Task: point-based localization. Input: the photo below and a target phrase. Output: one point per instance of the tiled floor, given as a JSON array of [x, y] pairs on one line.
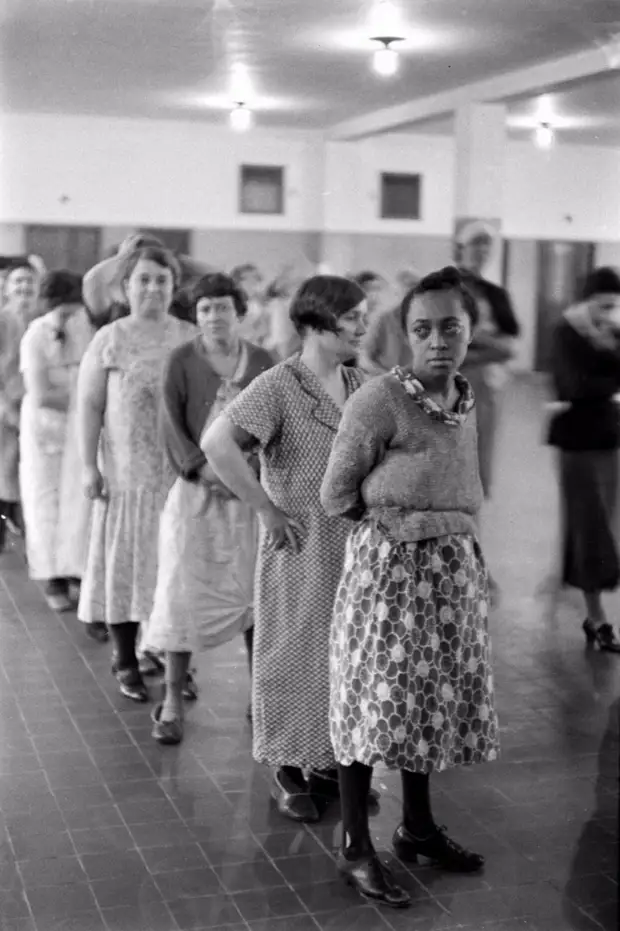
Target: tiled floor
[[101, 829]]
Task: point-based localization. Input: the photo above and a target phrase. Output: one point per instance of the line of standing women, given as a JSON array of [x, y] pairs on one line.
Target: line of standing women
[[409, 682]]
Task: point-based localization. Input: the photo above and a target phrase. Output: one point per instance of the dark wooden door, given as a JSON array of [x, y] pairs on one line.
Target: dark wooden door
[[562, 269], [176, 240], [77, 248]]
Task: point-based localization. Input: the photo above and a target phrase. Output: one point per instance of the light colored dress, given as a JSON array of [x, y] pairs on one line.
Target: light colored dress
[[207, 544], [294, 421], [121, 573], [11, 390], [56, 519]]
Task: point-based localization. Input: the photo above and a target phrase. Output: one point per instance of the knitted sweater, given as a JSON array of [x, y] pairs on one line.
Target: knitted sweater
[[416, 475]]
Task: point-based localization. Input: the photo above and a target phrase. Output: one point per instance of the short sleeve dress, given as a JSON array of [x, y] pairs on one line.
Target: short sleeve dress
[[295, 422], [121, 571]]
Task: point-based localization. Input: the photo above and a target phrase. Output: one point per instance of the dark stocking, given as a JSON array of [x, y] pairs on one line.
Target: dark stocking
[[417, 814], [355, 783], [124, 638], [248, 636]]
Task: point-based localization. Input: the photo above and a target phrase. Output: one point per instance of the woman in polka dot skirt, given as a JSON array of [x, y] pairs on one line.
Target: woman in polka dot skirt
[[411, 681]]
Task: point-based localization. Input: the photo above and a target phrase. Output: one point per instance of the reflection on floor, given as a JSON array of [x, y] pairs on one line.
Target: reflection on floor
[[101, 829]]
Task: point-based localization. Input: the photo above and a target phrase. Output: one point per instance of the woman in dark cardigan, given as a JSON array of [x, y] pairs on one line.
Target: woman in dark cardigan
[[586, 373], [208, 539]]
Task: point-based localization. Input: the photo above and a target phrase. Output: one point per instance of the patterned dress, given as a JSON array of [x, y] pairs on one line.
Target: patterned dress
[[294, 421], [411, 677], [121, 571]]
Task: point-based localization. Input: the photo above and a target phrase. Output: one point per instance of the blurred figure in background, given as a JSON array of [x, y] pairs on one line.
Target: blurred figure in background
[[384, 346], [586, 375], [19, 307], [375, 287], [56, 522], [283, 339], [103, 286], [492, 346], [248, 279]]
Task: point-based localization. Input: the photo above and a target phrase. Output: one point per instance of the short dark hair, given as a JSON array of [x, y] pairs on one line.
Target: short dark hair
[[604, 280], [321, 300], [157, 254], [446, 279], [218, 285], [61, 287]]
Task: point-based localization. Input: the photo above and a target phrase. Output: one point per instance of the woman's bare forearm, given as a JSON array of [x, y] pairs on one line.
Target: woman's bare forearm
[[90, 426]]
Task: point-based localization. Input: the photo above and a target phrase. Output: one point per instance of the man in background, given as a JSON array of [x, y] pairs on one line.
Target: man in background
[[493, 346]]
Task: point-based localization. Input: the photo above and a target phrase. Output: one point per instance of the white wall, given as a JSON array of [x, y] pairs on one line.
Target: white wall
[[148, 173], [571, 192], [158, 173]]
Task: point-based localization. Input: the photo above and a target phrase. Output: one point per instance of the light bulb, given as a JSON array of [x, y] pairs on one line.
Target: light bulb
[[385, 61], [241, 118], [544, 136]]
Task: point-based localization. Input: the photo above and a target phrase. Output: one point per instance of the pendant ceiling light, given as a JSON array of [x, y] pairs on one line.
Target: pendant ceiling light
[[241, 115], [241, 118], [385, 30], [544, 136]]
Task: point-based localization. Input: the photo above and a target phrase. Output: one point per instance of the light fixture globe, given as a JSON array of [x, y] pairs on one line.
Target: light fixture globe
[[385, 60], [544, 136], [241, 118]]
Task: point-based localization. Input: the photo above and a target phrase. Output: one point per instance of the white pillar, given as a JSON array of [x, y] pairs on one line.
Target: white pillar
[[480, 132]]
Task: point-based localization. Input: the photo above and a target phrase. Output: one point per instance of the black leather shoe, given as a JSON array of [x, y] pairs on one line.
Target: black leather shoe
[[132, 685], [438, 847], [373, 880], [324, 785], [293, 801], [603, 636]]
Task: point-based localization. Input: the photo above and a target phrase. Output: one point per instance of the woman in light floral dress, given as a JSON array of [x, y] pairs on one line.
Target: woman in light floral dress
[[411, 680], [125, 468]]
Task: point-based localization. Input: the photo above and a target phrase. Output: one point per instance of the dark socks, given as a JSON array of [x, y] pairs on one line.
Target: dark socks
[[355, 783], [248, 636], [56, 587], [417, 814], [124, 638]]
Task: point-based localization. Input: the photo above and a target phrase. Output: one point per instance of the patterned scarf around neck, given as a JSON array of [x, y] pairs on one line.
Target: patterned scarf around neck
[[416, 390]]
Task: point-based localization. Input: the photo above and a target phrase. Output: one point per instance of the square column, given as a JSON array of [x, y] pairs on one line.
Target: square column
[[480, 132]]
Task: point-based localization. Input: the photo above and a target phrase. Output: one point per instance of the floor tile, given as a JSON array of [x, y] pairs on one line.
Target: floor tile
[[85, 793]]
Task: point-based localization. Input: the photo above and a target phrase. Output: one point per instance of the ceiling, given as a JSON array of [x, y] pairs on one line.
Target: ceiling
[[308, 59]]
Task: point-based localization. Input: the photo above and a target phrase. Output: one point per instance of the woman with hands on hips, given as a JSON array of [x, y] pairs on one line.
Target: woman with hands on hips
[[290, 414]]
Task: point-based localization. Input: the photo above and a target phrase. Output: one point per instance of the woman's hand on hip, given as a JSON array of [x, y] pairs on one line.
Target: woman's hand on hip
[[93, 483], [281, 529]]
